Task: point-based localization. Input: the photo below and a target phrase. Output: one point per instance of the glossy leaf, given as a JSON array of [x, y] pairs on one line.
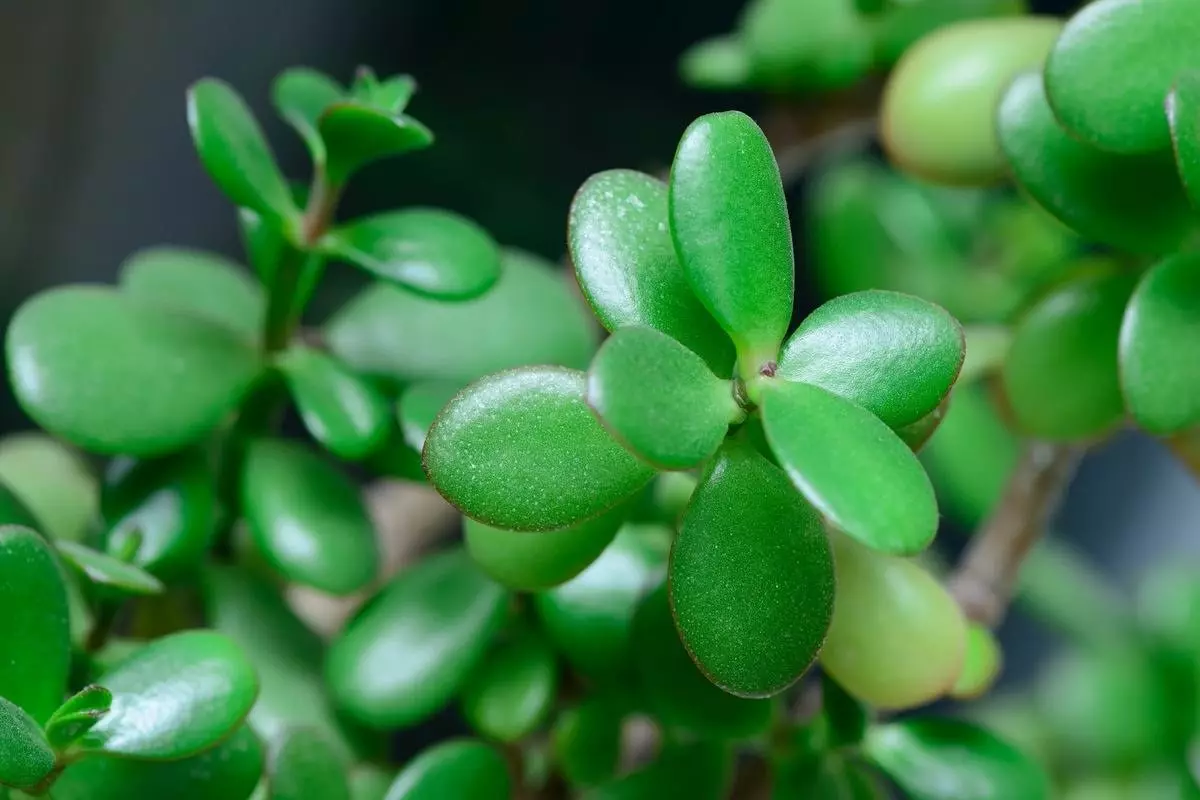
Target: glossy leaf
[[1061, 377], [720, 63], [521, 450], [699, 770], [432, 252], [981, 664], [894, 354], [52, 481], [730, 225], [1183, 114], [356, 134], [300, 96], [174, 697], [307, 518], [342, 411], [946, 759], [116, 376], [25, 755], [460, 768], [586, 741], [851, 467], [302, 764], [1132, 202], [444, 609], [513, 691], [104, 570], [627, 268], [419, 406], [751, 560], [77, 716]]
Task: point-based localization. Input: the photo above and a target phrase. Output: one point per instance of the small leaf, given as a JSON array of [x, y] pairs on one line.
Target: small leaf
[[25, 755], [981, 664], [429, 251], [174, 697], [460, 768], [849, 465], [521, 450], [627, 268], [391, 94], [1183, 113], [513, 691], [751, 560], [302, 765], [443, 608], [946, 759], [419, 406], [307, 518], [300, 96], [116, 376], [104, 570], [356, 134], [77, 716], [894, 354], [342, 411], [587, 741], [697, 771], [234, 151], [720, 63], [730, 225]]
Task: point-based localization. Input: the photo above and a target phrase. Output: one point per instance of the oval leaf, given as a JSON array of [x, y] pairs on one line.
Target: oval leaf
[[116, 376], [981, 664], [901, 25], [77, 716], [857, 473], [111, 573], [343, 412], [718, 64], [463, 769], [25, 755], [586, 741], [513, 691], [419, 407], [806, 45], [53, 481], [356, 134], [303, 765], [1183, 113], [300, 96], [521, 450]]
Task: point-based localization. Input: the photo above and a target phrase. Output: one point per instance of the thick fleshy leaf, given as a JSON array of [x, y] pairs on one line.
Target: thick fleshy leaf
[[626, 264], [203, 284], [522, 450], [901, 25], [897, 638], [234, 151], [307, 517], [981, 664], [111, 573], [342, 411], [938, 110], [13, 511], [751, 562], [174, 697], [677, 692], [659, 399], [446, 610], [462, 768], [947, 759], [419, 406], [825, 778], [52, 481], [730, 225], [116, 376], [720, 63], [513, 691], [529, 317], [357, 134], [894, 354], [1183, 113], [1133, 202], [845, 718], [857, 473], [303, 764], [77, 716], [806, 45], [432, 252], [697, 771], [1161, 385], [586, 741], [35, 627], [368, 782], [300, 96], [25, 755], [1061, 377]]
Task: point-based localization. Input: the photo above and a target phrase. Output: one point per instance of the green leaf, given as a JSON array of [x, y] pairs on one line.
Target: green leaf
[[443, 608], [235, 153], [391, 94], [419, 406], [938, 114], [25, 755], [228, 771], [356, 134], [1183, 114], [1132, 202], [697, 771], [806, 45], [590, 617], [300, 96], [751, 562], [981, 664], [845, 717], [307, 518], [303, 764], [342, 411], [13, 511], [521, 450], [676, 691], [459, 768], [730, 225], [825, 778], [203, 284], [901, 25], [1061, 377], [35, 624], [947, 759], [429, 251], [586, 741], [77, 716], [627, 268], [116, 376], [513, 691], [659, 399], [897, 637], [50, 480], [529, 317], [174, 697], [848, 464], [104, 570], [1160, 384], [720, 64], [894, 354], [368, 782]]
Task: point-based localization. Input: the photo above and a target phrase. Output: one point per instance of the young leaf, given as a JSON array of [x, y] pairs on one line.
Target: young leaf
[[342, 411], [300, 96], [586, 741], [355, 135], [894, 354], [116, 376], [751, 562], [659, 399], [521, 450], [947, 759], [848, 464], [1183, 113], [697, 771], [104, 570], [981, 664], [730, 226], [443, 608], [457, 768], [429, 251], [52, 480], [627, 268], [419, 406], [234, 151], [307, 518], [513, 691], [391, 94], [77, 716], [25, 755], [303, 764], [174, 697]]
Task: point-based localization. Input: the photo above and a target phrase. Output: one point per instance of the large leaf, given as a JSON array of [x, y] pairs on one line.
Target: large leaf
[[301, 95], [303, 764], [342, 411], [25, 755], [513, 691], [463, 768]]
